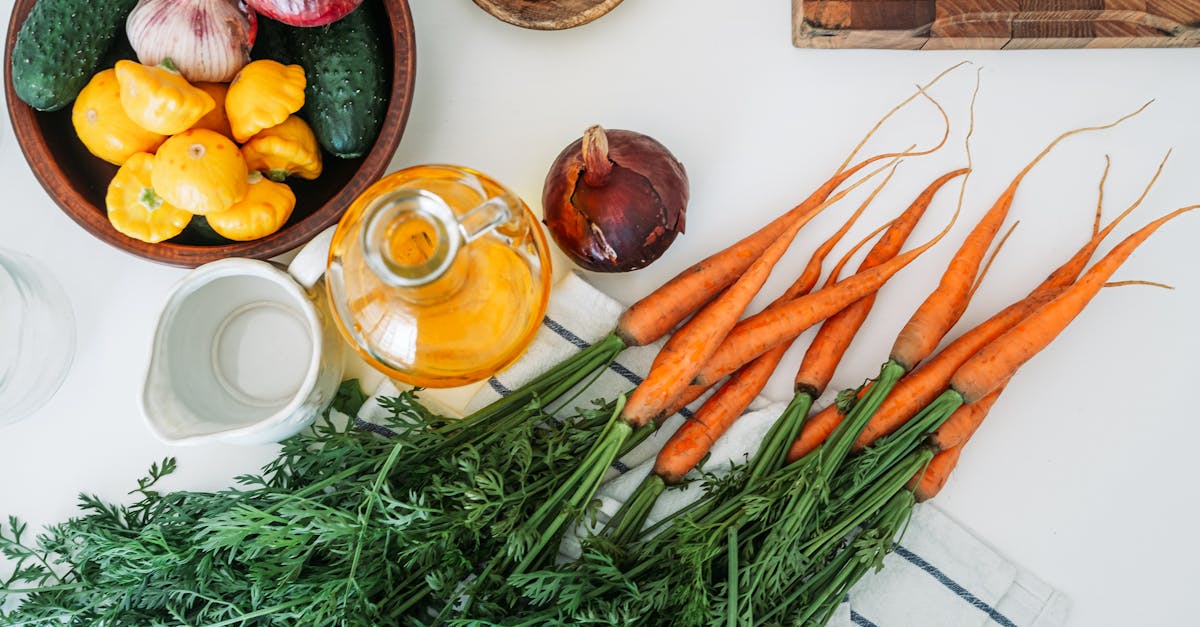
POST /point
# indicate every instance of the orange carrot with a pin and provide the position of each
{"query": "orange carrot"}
(921, 386)
(722, 409)
(833, 339)
(689, 347)
(947, 444)
(659, 312)
(961, 425)
(827, 348)
(992, 366)
(692, 441)
(927, 483)
(835, 274)
(946, 304)
(982, 378)
(812, 271)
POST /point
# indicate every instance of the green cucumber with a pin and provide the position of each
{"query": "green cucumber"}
(59, 48)
(348, 80)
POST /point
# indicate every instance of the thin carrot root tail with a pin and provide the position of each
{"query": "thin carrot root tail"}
(1142, 283)
(993, 365)
(835, 274)
(1069, 271)
(946, 304)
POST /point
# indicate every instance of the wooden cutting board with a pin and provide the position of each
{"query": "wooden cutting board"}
(995, 24)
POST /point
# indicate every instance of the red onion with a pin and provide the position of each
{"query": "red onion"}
(615, 200)
(305, 12)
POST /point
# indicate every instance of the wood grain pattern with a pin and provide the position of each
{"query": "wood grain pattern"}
(547, 14)
(995, 24)
(77, 181)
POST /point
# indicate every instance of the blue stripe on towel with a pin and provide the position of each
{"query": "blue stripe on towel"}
(498, 387)
(954, 586)
(860, 620)
(565, 333)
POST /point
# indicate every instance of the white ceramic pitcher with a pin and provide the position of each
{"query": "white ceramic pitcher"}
(244, 352)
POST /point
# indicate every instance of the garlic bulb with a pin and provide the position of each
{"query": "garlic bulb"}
(208, 40)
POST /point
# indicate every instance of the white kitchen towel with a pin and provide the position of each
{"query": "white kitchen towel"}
(940, 575)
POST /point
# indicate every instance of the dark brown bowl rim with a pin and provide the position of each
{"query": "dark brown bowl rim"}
(94, 221)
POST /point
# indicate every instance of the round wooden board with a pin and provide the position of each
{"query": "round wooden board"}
(547, 14)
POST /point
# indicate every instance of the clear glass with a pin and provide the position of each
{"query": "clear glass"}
(438, 276)
(37, 336)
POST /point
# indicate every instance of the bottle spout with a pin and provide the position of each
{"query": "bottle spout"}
(411, 238)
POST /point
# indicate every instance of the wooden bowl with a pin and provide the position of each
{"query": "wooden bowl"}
(77, 180)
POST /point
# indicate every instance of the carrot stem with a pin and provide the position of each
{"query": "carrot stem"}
(626, 525)
(731, 607)
(773, 450)
(800, 507)
(876, 459)
(547, 523)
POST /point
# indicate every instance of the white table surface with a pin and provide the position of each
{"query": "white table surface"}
(1085, 471)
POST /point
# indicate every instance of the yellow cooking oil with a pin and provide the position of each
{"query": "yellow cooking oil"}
(439, 276)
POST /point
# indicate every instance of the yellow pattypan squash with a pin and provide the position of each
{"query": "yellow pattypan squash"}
(160, 99)
(201, 171)
(284, 150)
(102, 125)
(263, 94)
(215, 120)
(133, 207)
(266, 207)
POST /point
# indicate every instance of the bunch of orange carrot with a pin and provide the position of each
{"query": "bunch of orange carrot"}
(778, 536)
